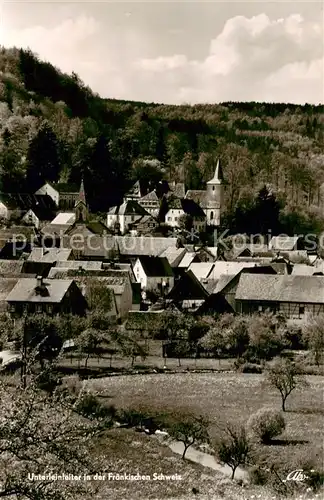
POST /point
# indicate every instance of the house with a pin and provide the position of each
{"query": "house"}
(179, 208)
(222, 289)
(212, 199)
(143, 226)
(131, 247)
(151, 203)
(30, 207)
(284, 243)
(292, 296)
(188, 293)
(51, 255)
(64, 195)
(174, 255)
(48, 296)
(124, 215)
(154, 273)
(136, 192)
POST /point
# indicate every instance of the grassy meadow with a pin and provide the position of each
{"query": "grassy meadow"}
(230, 397)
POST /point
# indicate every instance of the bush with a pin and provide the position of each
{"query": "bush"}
(249, 368)
(266, 424)
(89, 406)
(258, 476)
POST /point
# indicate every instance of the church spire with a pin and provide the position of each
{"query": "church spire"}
(82, 193)
(218, 176)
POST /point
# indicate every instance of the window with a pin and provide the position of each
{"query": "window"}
(170, 218)
(211, 215)
(260, 308)
(301, 310)
(38, 308)
(132, 218)
(50, 308)
(213, 188)
(176, 218)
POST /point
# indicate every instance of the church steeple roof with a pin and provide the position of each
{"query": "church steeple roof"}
(82, 196)
(218, 176)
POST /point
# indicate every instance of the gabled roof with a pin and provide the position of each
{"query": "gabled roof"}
(283, 243)
(129, 207)
(24, 291)
(10, 267)
(198, 196)
(281, 288)
(54, 230)
(49, 254)
(27, 201)
(64, 218)
(303, 270)
(188, 287)
(174, 255)
(143, 245)
(187, 259)
(177, 189)
(190, 207)
(156, 266)
(201, 269)
(151, 196)
(77, 264)
(136, 191)
(228, 267)
(64, 187)
(6, 285)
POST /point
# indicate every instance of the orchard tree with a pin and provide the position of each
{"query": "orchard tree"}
(313, 333)
(284, 377)
(38, 435)
(233, 448)
(189, 431)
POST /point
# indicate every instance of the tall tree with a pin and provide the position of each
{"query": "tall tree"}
(43, 158)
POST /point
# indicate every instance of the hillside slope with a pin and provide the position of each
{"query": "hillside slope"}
(52, 127)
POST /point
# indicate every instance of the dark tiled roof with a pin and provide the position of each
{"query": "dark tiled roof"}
(190, 207)
(188, 288)
(10, 267)
(281, 288)
(198, 196)
(130, 207)
(156, 266)
(63, 187)
(25, 201)
(25, 291)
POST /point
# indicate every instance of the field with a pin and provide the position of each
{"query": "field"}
(129, 452)
(228, 397)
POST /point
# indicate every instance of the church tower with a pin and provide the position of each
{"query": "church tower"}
(80, 207)
(215, 197)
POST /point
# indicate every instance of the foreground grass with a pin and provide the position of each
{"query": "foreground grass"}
(229, 397)
(129, 452)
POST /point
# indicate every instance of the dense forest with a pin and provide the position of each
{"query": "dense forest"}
(54, 128)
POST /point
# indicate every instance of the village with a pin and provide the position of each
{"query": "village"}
(165, 317)
(151, 262)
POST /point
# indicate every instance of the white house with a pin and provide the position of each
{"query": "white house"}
(64, 195)
(125, 215)
(151, 203)
(177, 208)
(154, 273)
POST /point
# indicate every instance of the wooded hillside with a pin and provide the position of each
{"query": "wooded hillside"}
(52, 127)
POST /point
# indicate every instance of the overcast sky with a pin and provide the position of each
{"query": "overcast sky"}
(176, 52)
